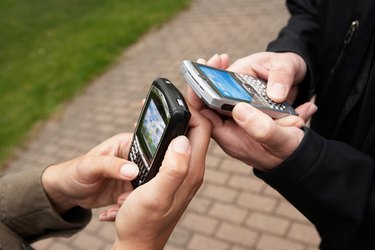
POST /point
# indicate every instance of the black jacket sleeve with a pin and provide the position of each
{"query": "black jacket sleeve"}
(331, 183)
(300, 36)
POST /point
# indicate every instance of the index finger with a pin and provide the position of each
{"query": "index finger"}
(117, 145)
(193, 99)
(279, 141)
(199, 136)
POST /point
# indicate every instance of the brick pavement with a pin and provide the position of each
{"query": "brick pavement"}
(233, 209)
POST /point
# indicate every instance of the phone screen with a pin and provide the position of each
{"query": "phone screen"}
(152, 126)
(226, 84)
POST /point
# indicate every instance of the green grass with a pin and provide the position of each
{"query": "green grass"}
(50, 49)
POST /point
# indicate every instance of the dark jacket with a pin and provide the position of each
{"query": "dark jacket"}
(330, 177)
(26, 214)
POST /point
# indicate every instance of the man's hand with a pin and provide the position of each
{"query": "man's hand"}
(255, 138)
(250, 135)
(282, 70)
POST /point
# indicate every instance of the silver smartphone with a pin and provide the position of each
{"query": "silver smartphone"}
(222, 90)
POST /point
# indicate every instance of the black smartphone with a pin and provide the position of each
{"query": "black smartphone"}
(222, 90)
(165, 115)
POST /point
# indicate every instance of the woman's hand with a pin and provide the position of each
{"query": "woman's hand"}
(92, 180)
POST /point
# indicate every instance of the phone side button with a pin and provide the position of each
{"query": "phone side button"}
(227, 107)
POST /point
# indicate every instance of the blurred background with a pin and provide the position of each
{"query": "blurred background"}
(50, 50)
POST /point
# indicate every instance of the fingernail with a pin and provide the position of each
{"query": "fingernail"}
(201, 61)
(312, 110)
(277, 91)
(242, 112)
(112, 215)
(129, 170)
(181, 145)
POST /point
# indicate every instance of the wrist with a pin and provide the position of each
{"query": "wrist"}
(51, 182)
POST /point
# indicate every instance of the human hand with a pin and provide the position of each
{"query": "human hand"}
(255, 138)
(238, 141)
(283, 71)
(92, 180)
(305, 111)
(148, 215)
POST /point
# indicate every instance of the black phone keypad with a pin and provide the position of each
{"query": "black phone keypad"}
(255, 85)
(135, 156)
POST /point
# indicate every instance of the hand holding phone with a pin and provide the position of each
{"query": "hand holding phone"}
(222, 90)
(165, 115)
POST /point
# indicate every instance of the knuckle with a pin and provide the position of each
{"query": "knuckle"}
(207, 125)
(241, 61)
(197, 182)
(85, 165)
(176, 171)
(285, 66)
(155, 204)
(86, 161)
(175, 168)
(263, 131)
(193, 185)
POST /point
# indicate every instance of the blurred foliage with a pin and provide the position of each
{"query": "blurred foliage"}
(49, 50)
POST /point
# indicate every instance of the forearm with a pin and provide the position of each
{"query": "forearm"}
(331, 184)
(301, 32)
(26, 209)
(301, 36)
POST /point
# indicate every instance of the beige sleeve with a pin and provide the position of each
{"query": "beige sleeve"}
(26, 211)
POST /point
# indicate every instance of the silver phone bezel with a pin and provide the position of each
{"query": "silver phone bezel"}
(213, 100)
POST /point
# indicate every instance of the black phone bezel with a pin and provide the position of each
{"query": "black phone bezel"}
(179, 116)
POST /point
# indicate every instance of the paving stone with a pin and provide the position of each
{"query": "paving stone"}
(257, 202)
(88, 241)
(236, 166)
(238, 248)
(237, 234)
(180, 237)
(200, 242)
(226, 212)
(304, 233)
(199, 204)
(215, 177)
(268, 223)
(270, 242)
(172, 247)
(246, 183)
(269, 191)
(286, 209)
(220, 193)
(199, 223)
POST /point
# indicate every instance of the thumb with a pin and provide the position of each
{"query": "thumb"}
(277, 140)
(219, 61)
(174, 168)
(280, 79)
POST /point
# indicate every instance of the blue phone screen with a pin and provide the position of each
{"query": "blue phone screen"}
(226, 84)
(152, 127)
